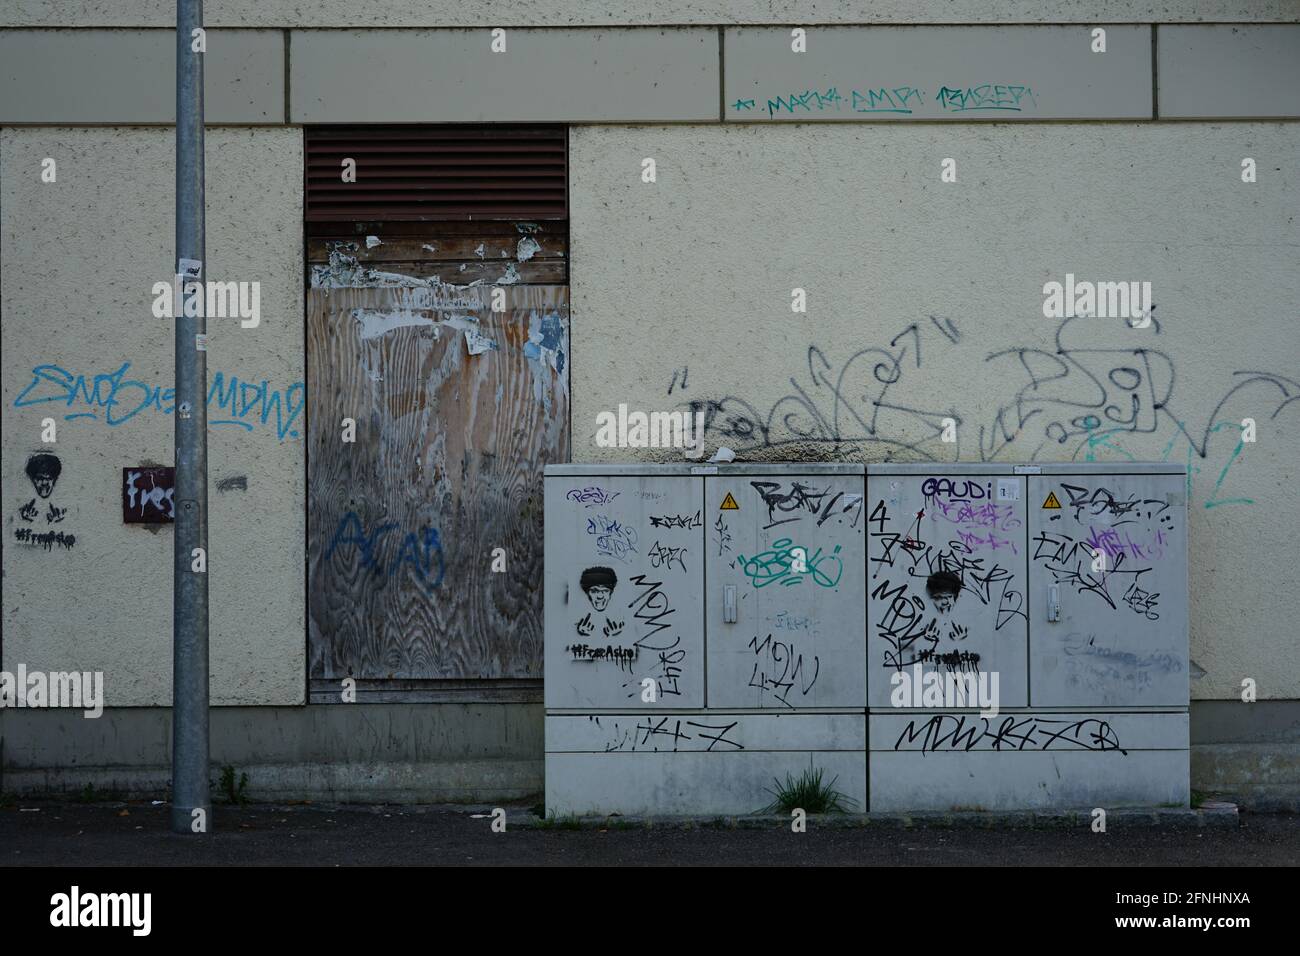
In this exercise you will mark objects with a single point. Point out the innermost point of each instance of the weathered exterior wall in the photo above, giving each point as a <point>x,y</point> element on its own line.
<point>80,259</point>
<point>989,73</point>
<point>415,753</point>
<point>128,77</point>
<point>401,753</point>
<point>451,76</point>
<point>554,13</point>
<point>680,294</point>
<point>925,300</point>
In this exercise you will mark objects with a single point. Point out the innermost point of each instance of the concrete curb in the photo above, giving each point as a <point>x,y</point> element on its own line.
<point>1215,815</point>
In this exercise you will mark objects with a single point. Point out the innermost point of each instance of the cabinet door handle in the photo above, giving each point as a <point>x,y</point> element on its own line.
<point>728,604</point>
<point>1053,602</point>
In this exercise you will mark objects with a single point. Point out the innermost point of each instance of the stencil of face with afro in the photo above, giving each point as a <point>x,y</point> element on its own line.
<point>44,471</point>
<point>943,588</point>
<point>598,584</point>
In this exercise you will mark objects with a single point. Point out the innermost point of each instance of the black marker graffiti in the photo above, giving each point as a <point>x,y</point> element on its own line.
<point>48,538</point>
<point>676,521</point>
<point>803,500</point>
<point>722,537</point>
<point>662,556</point>
<point>780,669</point>
<point>1070,563</point>
<point>652,733</point>
<point>1072,403</point>
<point>911,635</point>
<point>651,608</point>
<point>966,732</point>
<point>622,656</point>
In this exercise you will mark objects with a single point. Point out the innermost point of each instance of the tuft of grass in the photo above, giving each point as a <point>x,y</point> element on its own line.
<point>89,794</point>
<point>8,801</point>
<point>809,793</point>
<point>1198,798</point>
<point>233,790</point>
<point>552,822</point>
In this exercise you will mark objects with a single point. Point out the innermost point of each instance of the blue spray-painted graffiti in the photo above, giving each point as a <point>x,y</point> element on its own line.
<point>120,399</point>
<point>418,549</point>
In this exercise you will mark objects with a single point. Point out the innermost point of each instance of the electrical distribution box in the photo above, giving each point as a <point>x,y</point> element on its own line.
<point>992,636</point>
<point>1058,592</point>
<point>704,635</point>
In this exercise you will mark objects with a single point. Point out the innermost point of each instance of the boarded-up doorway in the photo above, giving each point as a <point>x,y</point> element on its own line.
<point>437,353</point>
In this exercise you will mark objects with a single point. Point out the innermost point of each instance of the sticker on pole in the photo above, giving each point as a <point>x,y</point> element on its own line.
<point>729,503</point>
<point>1051,501</point>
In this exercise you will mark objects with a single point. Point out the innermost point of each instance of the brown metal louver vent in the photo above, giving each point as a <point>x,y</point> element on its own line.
<point>437,172</point>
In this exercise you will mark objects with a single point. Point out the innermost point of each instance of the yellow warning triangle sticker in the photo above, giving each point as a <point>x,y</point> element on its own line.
<point>1051,501</point>
<point>729,503</point>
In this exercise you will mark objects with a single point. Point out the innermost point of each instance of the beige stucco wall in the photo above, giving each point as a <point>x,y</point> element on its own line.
<point>79,260</point>
<point>560,13</point>
<point>695,273</point>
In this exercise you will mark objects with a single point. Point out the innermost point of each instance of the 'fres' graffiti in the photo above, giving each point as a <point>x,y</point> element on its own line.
<point>148,494</point>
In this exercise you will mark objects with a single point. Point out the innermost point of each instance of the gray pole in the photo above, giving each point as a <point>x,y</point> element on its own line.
<point>190,587</point>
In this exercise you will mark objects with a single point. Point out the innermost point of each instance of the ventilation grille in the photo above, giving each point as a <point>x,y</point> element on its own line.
<point>437,173</point>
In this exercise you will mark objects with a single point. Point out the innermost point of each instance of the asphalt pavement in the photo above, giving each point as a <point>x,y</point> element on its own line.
<point>136,834</point>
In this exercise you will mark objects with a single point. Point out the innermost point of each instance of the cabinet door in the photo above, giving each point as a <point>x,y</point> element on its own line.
<point>946,567</point>
<point>1110,551</point>
<point>623,591</point>
<point>787,553</point>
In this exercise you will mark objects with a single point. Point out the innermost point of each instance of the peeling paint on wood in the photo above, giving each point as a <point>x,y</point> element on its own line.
<point>450,444</point>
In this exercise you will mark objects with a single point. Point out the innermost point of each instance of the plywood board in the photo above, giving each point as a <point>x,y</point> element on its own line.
<point>456,410</point>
